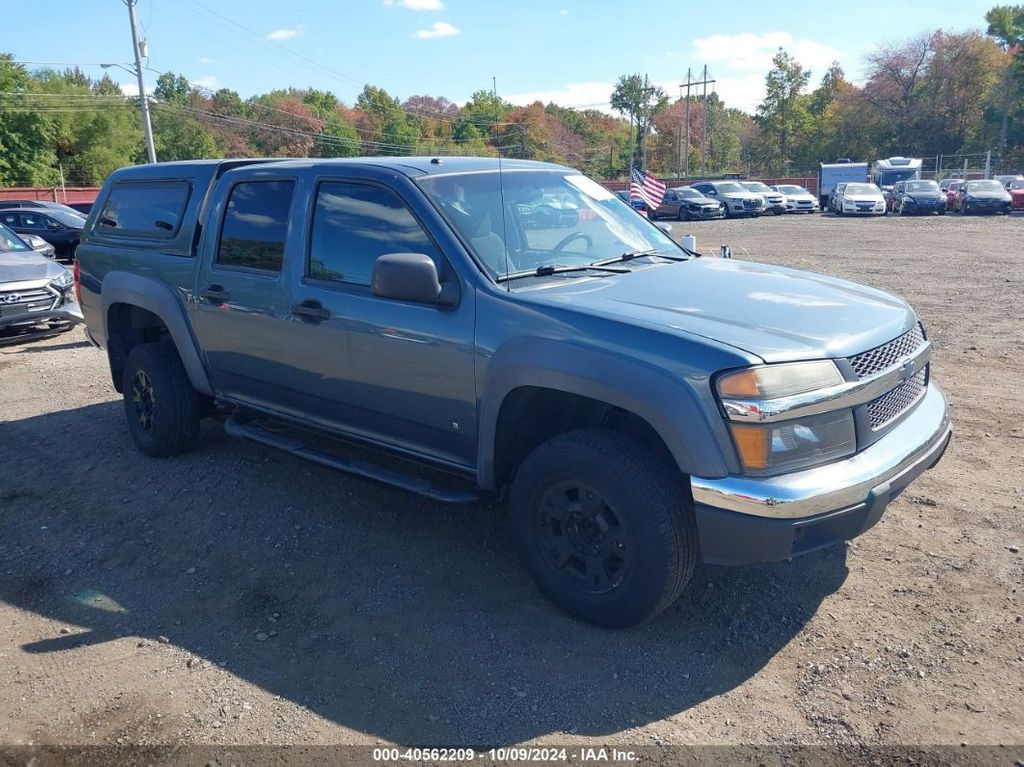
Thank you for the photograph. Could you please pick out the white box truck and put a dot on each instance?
(832, 173)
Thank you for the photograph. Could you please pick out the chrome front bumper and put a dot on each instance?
(908, 450)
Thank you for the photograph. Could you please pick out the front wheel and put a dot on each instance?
(160, 404)
(603, 527)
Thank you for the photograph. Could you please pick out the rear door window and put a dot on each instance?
(256, 225)
(146, 209)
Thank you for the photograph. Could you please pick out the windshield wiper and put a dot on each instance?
(629, 255)
(544, 271)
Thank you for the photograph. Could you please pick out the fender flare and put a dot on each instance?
(158, 298)
(668, 404)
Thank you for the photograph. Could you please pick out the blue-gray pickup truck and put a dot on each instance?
(511, 328)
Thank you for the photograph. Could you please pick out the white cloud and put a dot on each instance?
(739, 63)
(207, 60)
(563, 12)
(286, 33)
(591, 95)
(131, 89)
(209, 82)
(437, 29)
(417, 5)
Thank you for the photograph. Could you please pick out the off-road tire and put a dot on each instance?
(160, 405)
(647, 499)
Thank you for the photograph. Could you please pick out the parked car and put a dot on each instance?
(859, 199)
(638, 205)
(35, 291)
(82, 207)
(403, 303)
(918, 197)
(798, 199)
(1016, 190)
(982, 196)
(1005, 179)
(738, 200)
(774, 202)
(43, 204)
(687, 204)
(61, 229)
(39, 245)
(836, 191)
(951, 189)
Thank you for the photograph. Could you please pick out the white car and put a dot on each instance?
(859, 199)
(798, 199)
(774, 202)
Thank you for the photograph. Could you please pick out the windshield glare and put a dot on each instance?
(922, 186)
(787, 189)
(73, 220)
(1017, 184)
(9, 241)
(587, 224)
(757, 186)
(729, 186)
(862, 189)
(984, 186)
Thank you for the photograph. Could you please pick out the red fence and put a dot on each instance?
(55, 194)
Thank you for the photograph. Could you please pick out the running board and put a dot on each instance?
(251, 431)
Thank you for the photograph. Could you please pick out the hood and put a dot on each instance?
(776, 313)
(932, 195)
(742, 195)
(988, 195)
(864, 197)
(26, 265)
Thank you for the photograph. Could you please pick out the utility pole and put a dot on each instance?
(704, 125)
(690, 82)
(147, 125)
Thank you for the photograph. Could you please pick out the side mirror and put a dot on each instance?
(53, 226)
(410, 277)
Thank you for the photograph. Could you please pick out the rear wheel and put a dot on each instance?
(603, 527)
(160, 404)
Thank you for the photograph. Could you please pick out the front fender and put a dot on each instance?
(157, 297)
(672, 406)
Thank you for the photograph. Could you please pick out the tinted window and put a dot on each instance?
(152, 209)
(10, 218)
(353, 224)
(255, 225)
(30, 220)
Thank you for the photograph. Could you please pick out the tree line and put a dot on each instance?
(941, 92)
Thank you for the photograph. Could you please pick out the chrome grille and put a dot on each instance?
(15, 302)
(896, 402)
(885, 356)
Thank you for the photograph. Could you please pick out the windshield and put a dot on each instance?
(922, 186)
(688, 193)
(862, 189)
(588, 224)
(10, 241)
(984, 186)
(1017, 184)
(73, 220)
(756, 186)
(890, 177)
(729, 186)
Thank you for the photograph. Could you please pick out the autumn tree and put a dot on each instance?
(783, 116)
(637, 97)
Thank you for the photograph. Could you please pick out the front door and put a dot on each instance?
(396, 372)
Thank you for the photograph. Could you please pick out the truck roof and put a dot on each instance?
(411, 166)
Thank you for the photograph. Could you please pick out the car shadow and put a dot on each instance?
(388, 614)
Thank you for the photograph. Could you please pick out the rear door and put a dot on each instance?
(242, 293)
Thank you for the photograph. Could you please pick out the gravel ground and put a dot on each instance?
(236, 595)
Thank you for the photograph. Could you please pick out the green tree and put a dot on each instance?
(173, 89)
(1006, 26)
(635, 96)
(392, 133)
(27, 155)
(783, 117)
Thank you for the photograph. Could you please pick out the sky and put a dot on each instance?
(567, 51)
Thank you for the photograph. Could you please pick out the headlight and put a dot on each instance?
(776, 448)
(63, 281)
(775, 381)
(780, 446)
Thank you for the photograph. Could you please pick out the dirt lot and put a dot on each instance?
(235, 595)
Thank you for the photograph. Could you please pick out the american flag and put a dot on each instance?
(646, 187)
